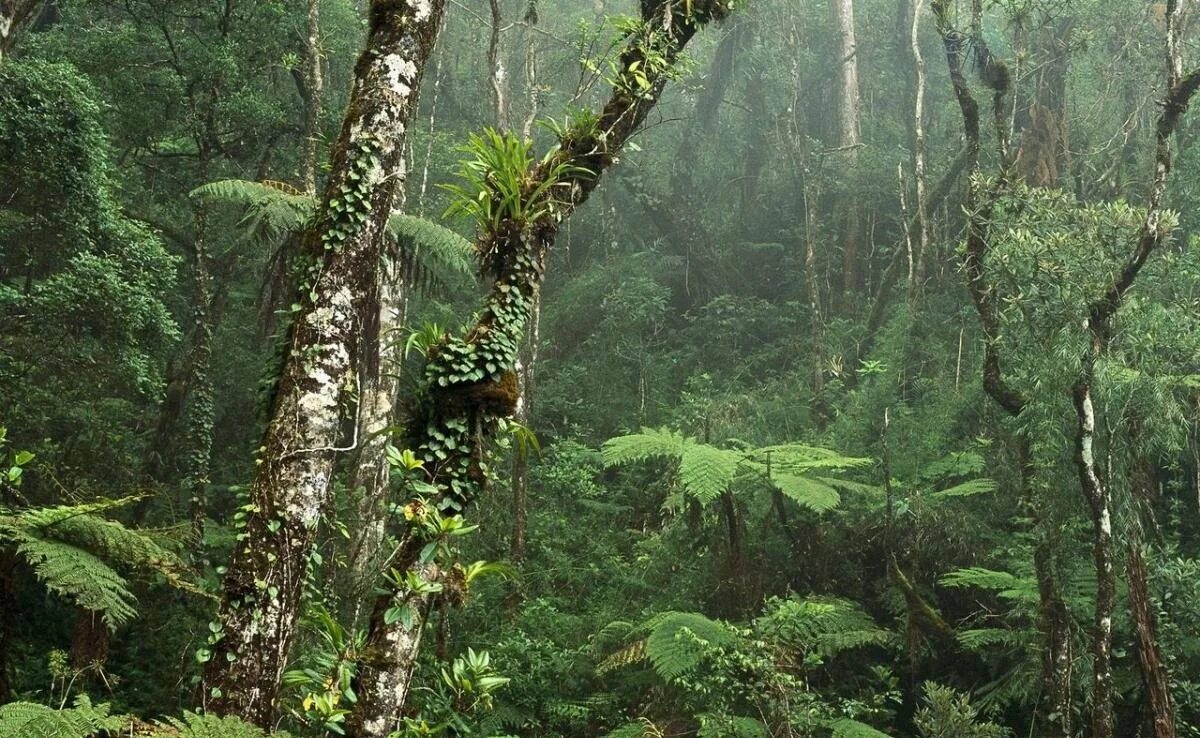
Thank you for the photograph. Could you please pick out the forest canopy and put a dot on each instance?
(609, 369)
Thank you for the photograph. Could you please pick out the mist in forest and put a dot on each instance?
(599, 369)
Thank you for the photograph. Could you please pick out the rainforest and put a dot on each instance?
(599, 369)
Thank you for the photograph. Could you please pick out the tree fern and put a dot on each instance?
(679, 641)
(823, 625)
(431, 255)
(649, 444)
(1008, 586)
(75, 553)
(706, 471)
(82, 720)
(808, 492)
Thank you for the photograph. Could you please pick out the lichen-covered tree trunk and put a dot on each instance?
(320, 378)
(372, 472)
(1099, 500)
(471, 381)
(14, 14)
(313, 91)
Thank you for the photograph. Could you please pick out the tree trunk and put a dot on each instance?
(14, 15)
(1155, 682)
(849, 136)
(526, 368)
(1054, 621)
(198, 410)
(317, 388)
(465, 411)
(313, 91)
(920, 244)
(736, 570)
(1154, 673)
(1099, 501)
(372, 472)
(496, 68)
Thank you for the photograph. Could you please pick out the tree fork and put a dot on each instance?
(316, 395)
(468, 411)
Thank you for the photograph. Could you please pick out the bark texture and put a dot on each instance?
(466, 410)
(849, 133)
(14, 15)
(320, 378)
(1100, 324)
(1054, 711)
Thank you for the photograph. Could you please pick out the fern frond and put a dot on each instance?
(706, 471)
(192, 725)
(75, 553)
(651, 443)
(83, 720)
(824, 625)
(79, 576)
(979, 638)
(630, 654)
(730, 726)
(850, 485)
(800, 458)
(810, 492)
(678, 642)
(967, 489)
(1008, 586)
(643, 728)
(431, 253)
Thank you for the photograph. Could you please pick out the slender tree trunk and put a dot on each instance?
(526, 371)
(313, 95)
(849, 136)
(736, 570)
(465, 410)
(315, 397)
(1100, 502)
(14, 15)
(921, 242)
(1054, 621)
(199, 408)
(1101, 313)
(496, 67)
(1154, 673)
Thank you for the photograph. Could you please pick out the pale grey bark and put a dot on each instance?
(320, 379)
(14, 14)
(313, 91)
(920, 244)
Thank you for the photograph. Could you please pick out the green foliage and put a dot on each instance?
(678, 641)
(503, 182)
(821, 626)
(194, 725)
(73, 552)
(949, 714)
(81, 720)
(706, 471)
